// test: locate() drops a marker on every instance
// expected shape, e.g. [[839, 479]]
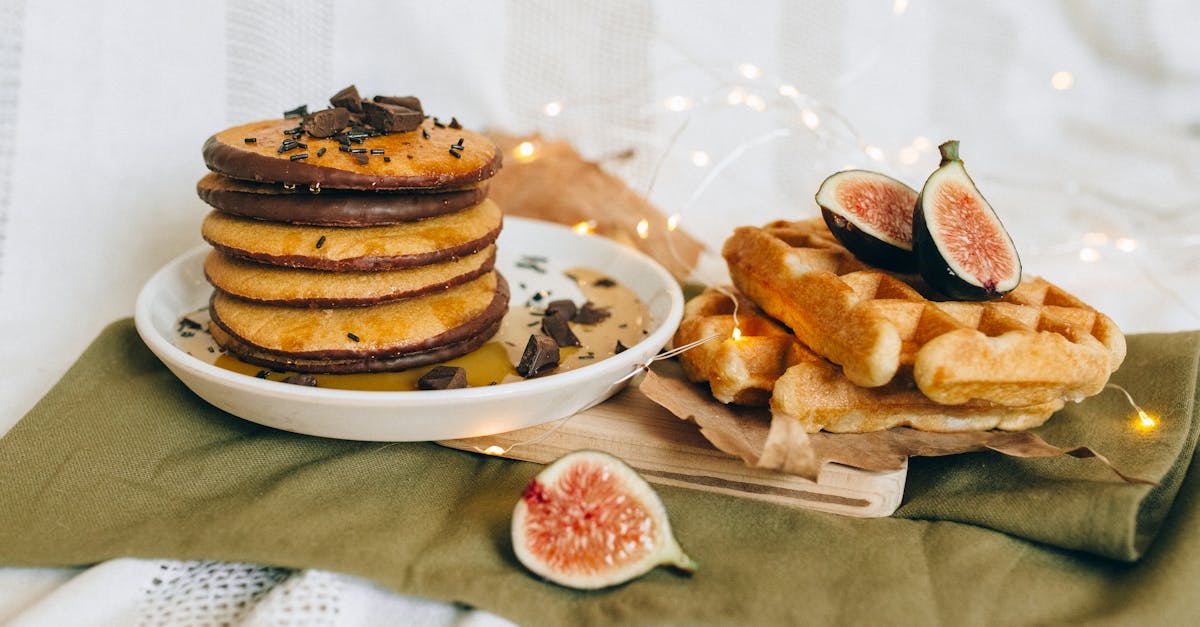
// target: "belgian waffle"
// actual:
[[1036, 345], [767, 364]]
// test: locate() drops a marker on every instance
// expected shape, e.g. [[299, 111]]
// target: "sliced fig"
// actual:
[[871, 215], [590, 521], [961, 247]]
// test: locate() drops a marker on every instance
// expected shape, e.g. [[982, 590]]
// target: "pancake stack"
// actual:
[[355, 239]]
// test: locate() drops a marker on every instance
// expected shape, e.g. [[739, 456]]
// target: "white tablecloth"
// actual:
[[1077, 119]]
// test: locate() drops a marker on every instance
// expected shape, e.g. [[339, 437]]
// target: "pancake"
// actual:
[[330, 207], [293, 337], [407, 245], [262, 283], [414, 161]]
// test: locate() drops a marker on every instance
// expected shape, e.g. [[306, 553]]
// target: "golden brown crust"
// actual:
[[356, 248], [415, 162], [1034, 346], [298, 287]]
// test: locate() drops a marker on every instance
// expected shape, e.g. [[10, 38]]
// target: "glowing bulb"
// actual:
[[699, 158], [736, 96], [899, 7], [737, 333], [494, 450], [1089, 255], [643, 228], [874, 152], [587, 227], [756, 102], [1126, 244], [1145, 421], [1062, 81], [524, 151], [673, 222], [750, 71], [810, 119], [678, 103], [553, 108], [789, 91]]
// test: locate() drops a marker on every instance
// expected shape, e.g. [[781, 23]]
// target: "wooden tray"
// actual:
[[670, 451]]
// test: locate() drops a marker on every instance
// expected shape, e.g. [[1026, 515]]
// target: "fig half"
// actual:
[[590, 521], [961, 247], [871, 215]]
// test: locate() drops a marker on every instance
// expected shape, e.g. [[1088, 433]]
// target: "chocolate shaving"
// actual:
[[302, 379], [591, 314], [620, 348], [541, 355], [408, 102], [362, 159], [326, 123], [443, 378], [605, 282], [558, 328], [455, 125], [348, 99], [392, 118], [298, 112], [564, 308]]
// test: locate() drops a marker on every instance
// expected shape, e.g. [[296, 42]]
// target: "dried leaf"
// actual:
[[760, 441]]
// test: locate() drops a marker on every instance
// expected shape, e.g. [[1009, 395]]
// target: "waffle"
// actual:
[[766, 365], [1036, 345]]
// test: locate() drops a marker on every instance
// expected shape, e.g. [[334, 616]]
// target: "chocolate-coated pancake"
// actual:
[[331, 207], [423, 159], [276, 361], [406, 245], [300, 287], [381, 331]]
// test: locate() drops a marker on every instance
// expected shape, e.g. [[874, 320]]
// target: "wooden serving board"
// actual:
[[670, 451]]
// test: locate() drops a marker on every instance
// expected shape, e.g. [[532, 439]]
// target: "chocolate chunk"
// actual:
[[302, 379], [558, 328], [443, 378], [591, 314], [326, 123], [408, 102], [564, 308], [620, 348], [454, 124], [298, 112], [541, 354], [348, 99], [392, 118]]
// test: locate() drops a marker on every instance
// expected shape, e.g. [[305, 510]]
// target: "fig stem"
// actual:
[[949, 152]]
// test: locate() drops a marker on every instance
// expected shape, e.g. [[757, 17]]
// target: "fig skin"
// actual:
[[932, 262], [882, 252]]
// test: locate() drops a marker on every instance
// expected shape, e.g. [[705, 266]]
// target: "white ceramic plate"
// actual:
[[179, 288]]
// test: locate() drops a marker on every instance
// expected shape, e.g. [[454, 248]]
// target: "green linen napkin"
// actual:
[[120, 459]]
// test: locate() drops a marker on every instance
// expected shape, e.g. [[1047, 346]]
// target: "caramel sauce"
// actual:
[[492, 364]]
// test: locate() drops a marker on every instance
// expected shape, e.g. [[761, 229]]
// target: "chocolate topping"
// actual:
[[326, 123], [443, 378], [408, 102], [392, 118], [558, 328], [564, 308], [541, 355], [591, 314], [348, 99]]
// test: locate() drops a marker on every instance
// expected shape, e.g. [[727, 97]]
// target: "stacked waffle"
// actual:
[[355, 239], [865, 350]]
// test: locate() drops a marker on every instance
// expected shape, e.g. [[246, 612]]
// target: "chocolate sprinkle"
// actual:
[[443, 378], [303, 155], [387, 159], [353, 337], [250, 140], [321, 242], [425, 133], [302, 379], [377, 151], [456, 155], [321, 152]]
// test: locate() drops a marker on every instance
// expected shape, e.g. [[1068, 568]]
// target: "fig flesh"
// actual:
[[589, 521], [962, 249], [871, 215]]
